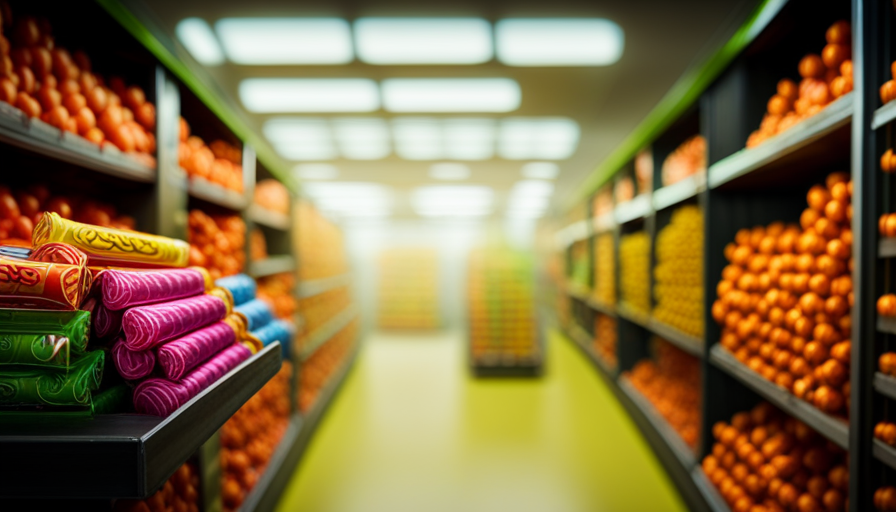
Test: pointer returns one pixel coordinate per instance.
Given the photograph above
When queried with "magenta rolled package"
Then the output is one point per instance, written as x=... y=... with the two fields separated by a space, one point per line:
x=132 y=364
x=161 y=397
x=106 y=323
x=124 y=289
x=179 y=356
x=147 y=326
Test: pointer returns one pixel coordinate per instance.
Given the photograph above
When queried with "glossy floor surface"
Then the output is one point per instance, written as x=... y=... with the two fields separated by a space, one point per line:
x=412 y=431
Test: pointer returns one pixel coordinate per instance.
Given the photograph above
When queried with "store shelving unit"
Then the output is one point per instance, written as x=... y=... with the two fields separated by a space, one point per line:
x=316 y=339
x=742 y=188
x=272 y=265
x=128 y=455
x=318 y=286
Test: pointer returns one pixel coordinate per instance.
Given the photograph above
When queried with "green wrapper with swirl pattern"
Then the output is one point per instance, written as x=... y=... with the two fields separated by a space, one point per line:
x=48 y=386
x=42 y=338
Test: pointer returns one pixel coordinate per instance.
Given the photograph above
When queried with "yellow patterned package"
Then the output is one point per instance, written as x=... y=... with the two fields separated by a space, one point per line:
x=112 y=247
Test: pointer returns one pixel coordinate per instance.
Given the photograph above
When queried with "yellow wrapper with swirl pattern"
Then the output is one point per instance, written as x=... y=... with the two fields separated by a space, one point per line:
x=112 y=247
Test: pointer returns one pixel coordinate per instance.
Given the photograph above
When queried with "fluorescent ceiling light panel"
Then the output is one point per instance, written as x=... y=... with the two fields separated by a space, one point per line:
x=450 y=94
x=469 y=139
x=423 y=40
x=449 y=171
x=417 y=138
x=270 y=95
x=541 y=170
x=267 y=41
x=558 y=42
x=315 y=172
x=362 y=138
x=523 y=138
x=452 y=200
x=353 y=199
x=200 y=41
x=533 y=188
x=300 y=138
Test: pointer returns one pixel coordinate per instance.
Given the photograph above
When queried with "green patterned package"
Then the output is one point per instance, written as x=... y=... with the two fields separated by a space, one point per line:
x=50 y=386
x=42 y=338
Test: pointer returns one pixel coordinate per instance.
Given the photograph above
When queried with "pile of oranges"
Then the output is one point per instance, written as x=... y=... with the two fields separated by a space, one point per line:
x=179 y=494
x=625 y=189
x=672 y=385
x=688 y=159
x=45 y=81
x=824 y=79
x=319 y=244
x=258 y=245
x=318 y=309
x=886 y=432
x=251 y=435
x=277 y=291
x=317 y=369
x=219 y=162
x=888 y=90
x=784 y=300
x=634 y=271
x=272 y=195
x=20 y=211
x=885 y=499
x=605 y=338
x=771 y=461
x=887 y=223
x=604 y=269
x=217 y=243
x=603 y=202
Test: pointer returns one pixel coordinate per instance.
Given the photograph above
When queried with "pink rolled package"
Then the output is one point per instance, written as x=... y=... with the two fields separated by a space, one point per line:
x=132 y=364
x=179 y=356
x=161 y=397
x=125 y=288
x=106 y=323
x=148 y=326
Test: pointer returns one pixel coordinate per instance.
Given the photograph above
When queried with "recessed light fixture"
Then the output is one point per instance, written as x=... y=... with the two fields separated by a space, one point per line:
x=300 y=138
x=558 y=42
x=452 y=200
x=269 y=95
x=449 y=171
x=541 y=170
x=450 y=94
x=267 y=41
x=198 y=38
x=522 y=138
x=423 y=40
x=316 y=171
x=362 y=138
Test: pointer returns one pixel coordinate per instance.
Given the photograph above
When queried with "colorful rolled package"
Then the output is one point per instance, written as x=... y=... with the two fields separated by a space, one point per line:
x=147 y=326
x=42 y=338
x=257 y=313
x=106 y=323
x=123 y=289
x=44 y=386
x=52 y=284
x=109 y=246
x=161 y=397
x=241 y=286
x=178 y=357
x=278 y=330
x=132 y=364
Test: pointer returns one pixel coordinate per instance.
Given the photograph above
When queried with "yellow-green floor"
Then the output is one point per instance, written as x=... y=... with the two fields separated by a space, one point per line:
x=412 y=431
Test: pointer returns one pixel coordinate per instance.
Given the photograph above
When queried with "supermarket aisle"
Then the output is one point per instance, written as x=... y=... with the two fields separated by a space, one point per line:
x=412 y=431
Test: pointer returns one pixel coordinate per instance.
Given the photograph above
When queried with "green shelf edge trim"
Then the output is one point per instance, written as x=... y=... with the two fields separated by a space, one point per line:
x=211 y=100
x=680 y=97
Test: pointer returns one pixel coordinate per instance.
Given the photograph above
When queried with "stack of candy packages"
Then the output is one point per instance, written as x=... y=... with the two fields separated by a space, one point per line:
x=258 y=315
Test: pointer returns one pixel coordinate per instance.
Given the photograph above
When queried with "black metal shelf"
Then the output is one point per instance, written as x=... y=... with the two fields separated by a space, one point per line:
x=269 y=218
x=710 y=493
x=884 y=115
x=690 y=344
x=125 y=455
x=216 y=194
x=601 y=307
x=316 y=287
x=316 y=339
x=885 y=384
x=688 y=188
x=638 y=208
x=884 y=453
x=886 y=324
x=886 y=248
x=808 y=138
x=272 y=265
x=269 y=489
x=38 y=137
x=681 y=450
x=835 y=429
